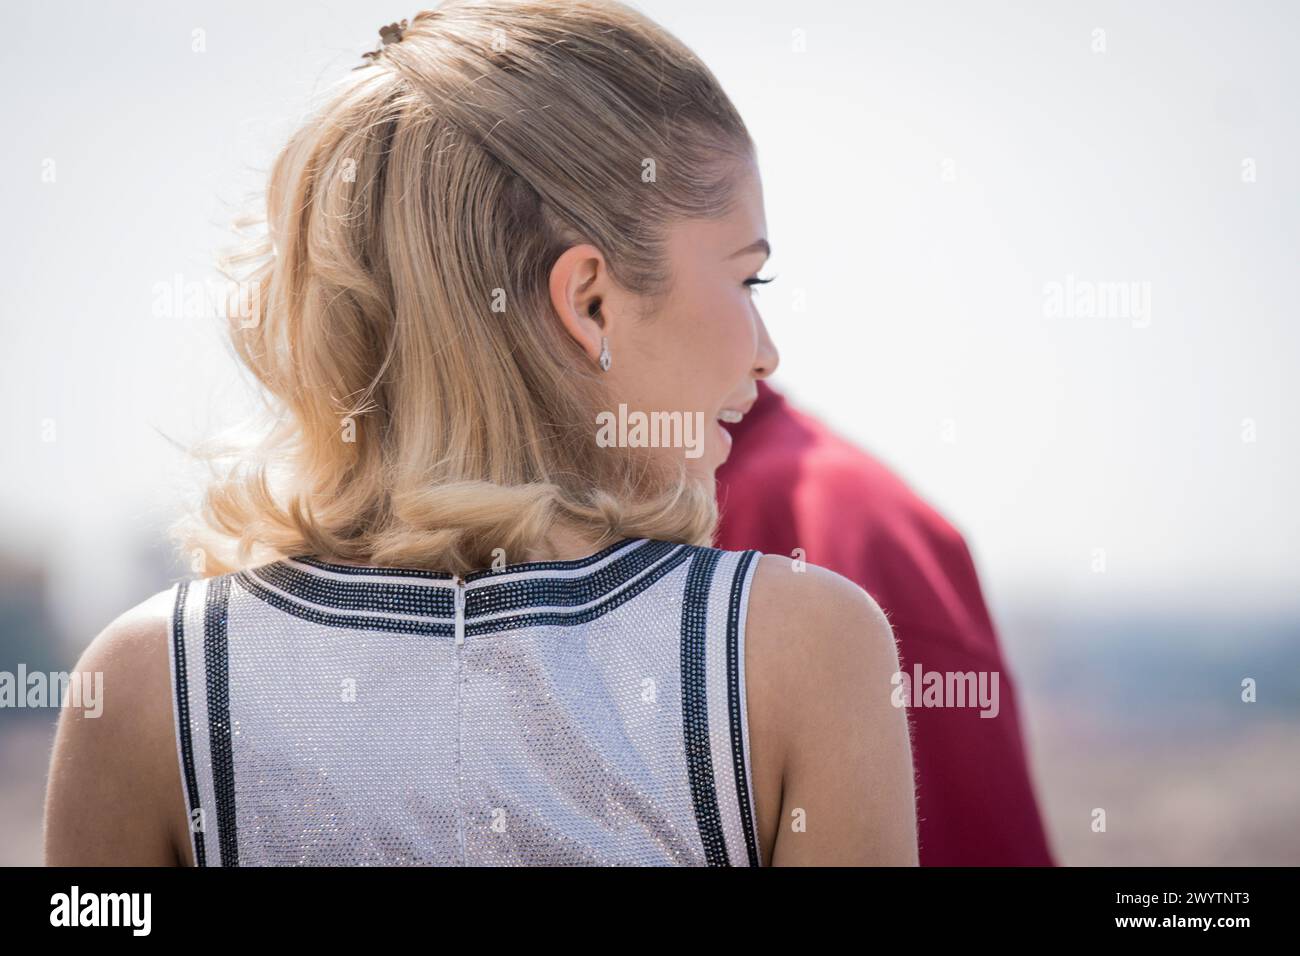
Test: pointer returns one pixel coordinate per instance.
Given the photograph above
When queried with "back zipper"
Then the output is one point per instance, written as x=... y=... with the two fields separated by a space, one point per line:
x=460 y=609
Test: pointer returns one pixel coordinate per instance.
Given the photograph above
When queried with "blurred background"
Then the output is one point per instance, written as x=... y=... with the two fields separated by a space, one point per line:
x=1041 y=258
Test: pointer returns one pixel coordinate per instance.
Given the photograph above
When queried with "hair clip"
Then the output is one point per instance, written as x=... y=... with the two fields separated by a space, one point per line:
x=392 y=33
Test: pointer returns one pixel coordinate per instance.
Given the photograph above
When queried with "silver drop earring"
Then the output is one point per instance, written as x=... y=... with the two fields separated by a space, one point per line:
x=604 y=354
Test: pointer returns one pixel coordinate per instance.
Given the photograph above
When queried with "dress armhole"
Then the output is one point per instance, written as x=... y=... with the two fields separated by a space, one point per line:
x=181 y=656
x=714 y=713
x=742 y=580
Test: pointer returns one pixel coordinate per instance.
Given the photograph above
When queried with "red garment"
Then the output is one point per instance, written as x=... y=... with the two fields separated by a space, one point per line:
x=792 y=483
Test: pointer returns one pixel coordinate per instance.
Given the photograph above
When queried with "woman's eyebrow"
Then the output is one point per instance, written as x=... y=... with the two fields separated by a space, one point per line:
x=759 y=245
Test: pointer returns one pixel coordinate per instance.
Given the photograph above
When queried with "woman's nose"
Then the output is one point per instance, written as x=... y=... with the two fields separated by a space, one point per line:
x=767 y=358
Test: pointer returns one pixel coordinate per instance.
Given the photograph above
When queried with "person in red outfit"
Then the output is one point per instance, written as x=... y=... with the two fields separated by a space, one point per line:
x=791 y=483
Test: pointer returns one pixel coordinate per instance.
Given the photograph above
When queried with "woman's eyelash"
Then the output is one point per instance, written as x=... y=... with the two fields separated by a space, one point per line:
x=755 y=280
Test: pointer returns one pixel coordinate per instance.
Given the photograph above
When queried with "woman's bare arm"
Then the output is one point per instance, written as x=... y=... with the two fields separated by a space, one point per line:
x=114 y=796
x=832 y=755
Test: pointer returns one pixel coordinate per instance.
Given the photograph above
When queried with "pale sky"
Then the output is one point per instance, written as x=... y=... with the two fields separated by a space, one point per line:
x=930 y=170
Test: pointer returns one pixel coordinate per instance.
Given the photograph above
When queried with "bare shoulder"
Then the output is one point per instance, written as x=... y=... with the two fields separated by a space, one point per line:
x=811 y=630
x=114 y=786
x=809 y=623
x=820 y=658
x=132 y=640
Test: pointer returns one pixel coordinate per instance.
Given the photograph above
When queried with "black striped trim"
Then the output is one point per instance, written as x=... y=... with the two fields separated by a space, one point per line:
x=338 y=603
x=253 y=585
x=183 y=722
x=216 y=658
x=569 y=618
x=543 y=590
x=372 y=571
x=695 y=710
x=734 y=704
x=359 y=593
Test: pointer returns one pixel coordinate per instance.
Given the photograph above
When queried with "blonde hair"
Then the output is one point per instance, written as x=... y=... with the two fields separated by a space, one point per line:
x=410 y=419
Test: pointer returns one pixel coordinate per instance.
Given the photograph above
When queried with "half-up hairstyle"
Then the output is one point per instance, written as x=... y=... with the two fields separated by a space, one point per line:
x=424 y=405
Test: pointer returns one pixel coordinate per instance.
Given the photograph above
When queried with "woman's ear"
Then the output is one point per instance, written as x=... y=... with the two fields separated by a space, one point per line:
x=578 y=287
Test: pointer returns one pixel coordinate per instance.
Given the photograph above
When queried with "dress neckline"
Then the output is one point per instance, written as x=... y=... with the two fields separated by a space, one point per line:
x=376 y=570
x=414 y=600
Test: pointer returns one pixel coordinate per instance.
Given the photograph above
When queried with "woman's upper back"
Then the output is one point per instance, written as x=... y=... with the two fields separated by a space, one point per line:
x=638 y=706
x=567 y=712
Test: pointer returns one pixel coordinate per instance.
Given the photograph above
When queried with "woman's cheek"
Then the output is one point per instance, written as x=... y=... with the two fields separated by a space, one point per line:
x=736 y=341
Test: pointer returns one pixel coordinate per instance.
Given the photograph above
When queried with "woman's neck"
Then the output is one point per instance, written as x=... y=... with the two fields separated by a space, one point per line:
x=566 y=544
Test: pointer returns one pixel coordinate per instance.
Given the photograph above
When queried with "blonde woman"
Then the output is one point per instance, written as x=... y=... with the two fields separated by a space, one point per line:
x=458 y=603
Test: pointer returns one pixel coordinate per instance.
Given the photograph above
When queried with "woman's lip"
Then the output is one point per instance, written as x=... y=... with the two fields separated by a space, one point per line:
x=740 y=408
x=726 y=439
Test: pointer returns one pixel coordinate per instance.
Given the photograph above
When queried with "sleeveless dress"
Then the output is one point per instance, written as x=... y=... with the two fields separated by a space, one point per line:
x=584 y=712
